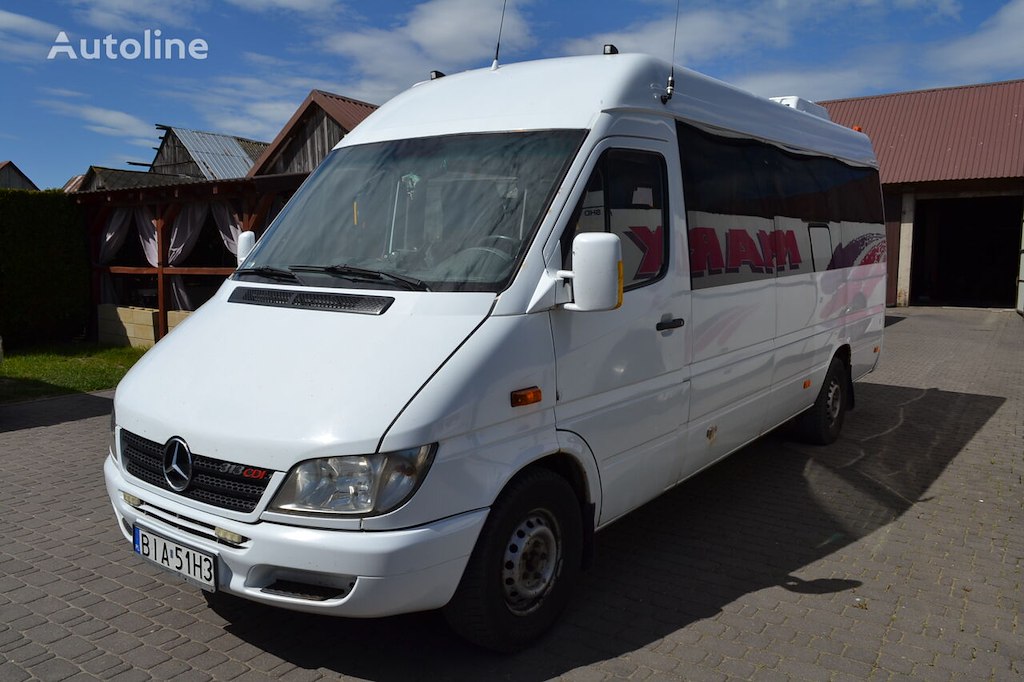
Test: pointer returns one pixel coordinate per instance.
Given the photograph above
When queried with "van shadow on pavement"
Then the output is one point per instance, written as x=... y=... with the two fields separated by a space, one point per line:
x=751 y=522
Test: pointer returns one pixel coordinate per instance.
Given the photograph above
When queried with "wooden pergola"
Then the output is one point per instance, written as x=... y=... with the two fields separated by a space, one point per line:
x=255 y=196
x=316 y=126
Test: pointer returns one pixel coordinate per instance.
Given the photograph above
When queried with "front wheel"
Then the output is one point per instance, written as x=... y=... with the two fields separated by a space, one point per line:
x=525 y=563
x=822 y=423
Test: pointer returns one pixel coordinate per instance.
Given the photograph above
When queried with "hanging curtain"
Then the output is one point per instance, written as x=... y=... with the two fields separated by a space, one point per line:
x=146 y=224
x=184 y=234
x=110 y=243
x=228 y=224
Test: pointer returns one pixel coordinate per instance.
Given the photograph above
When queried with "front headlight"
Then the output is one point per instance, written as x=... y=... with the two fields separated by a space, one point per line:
x=356 y=484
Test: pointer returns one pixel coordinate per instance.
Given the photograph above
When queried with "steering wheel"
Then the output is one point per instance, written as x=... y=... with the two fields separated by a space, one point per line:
x=490 y=250
x=509 y=244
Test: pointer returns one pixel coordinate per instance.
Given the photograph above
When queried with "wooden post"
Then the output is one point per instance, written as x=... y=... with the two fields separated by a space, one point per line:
x=253 y=220
x=162 y=247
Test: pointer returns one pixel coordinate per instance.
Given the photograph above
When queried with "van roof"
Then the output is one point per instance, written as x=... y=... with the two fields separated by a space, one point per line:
x=572 y=92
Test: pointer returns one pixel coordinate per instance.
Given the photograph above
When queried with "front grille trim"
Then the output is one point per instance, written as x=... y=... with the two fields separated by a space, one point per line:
x=212 y=482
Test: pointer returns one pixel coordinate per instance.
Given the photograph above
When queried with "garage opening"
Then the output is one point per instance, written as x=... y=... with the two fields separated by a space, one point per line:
x=966 y=252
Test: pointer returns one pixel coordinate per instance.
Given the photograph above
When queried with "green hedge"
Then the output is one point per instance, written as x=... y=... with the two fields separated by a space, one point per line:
x=44 y=268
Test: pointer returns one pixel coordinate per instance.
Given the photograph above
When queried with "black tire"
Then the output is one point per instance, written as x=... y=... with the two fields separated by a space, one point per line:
x=821 y=424
x=524 y=566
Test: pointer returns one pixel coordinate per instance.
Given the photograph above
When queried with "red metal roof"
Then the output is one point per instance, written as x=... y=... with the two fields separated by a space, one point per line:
x=345 y=111
x=959 y=133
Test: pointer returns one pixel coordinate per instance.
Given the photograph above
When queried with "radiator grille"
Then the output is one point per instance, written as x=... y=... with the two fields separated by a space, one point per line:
x=214 y=481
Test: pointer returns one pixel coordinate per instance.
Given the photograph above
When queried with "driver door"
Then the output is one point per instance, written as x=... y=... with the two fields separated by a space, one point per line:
x=623 y=383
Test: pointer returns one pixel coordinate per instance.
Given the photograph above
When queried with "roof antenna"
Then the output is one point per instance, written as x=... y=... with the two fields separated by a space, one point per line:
x=670 y=87
x=497 y=48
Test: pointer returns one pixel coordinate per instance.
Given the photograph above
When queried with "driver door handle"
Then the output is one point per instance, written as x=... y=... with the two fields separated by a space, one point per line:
x=674 y=323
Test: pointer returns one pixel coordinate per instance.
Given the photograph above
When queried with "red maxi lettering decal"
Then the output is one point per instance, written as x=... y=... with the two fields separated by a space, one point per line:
x=652 y=245
x=705 y=252
x=773 y=250
x=780 y=247
x=742 y=250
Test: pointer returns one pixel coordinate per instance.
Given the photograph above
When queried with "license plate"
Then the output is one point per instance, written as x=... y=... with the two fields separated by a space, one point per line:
x=198 y=568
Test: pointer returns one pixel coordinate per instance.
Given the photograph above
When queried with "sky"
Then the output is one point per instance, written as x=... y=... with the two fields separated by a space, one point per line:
x=244 y=66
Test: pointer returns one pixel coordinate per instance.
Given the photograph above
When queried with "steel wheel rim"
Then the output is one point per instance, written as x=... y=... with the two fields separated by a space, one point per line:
x=531 y=561
x=833 y=402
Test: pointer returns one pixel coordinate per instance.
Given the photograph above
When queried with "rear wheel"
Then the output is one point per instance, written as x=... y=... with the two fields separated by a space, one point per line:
x=822 y=423
x=523 y=568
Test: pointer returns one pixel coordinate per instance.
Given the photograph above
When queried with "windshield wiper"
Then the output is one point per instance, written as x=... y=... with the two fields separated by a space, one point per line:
x=365 y=275
x=270 y=272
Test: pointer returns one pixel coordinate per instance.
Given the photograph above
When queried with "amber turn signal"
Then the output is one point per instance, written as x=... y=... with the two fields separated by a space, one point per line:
x=526 y=396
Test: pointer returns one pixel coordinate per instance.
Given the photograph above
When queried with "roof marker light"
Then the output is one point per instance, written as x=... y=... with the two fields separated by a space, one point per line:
x=434 y=75
x=610 y=49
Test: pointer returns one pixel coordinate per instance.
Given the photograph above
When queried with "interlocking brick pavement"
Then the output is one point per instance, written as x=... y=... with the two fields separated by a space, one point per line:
x=895 y=554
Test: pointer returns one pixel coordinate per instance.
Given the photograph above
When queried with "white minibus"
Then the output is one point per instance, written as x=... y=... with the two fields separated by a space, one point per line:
x=509 y=307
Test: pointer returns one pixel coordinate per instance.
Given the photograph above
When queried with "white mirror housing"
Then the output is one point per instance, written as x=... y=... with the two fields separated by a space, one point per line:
x=246 y=240
x=596 y=272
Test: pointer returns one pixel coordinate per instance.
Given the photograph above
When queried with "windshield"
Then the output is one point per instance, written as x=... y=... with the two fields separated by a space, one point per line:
x=451 y=213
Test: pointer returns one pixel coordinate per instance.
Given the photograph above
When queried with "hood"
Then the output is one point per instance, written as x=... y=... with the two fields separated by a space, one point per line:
x=268 y=386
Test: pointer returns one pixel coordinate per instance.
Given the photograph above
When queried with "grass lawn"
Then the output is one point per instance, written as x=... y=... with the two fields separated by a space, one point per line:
x=60 y=369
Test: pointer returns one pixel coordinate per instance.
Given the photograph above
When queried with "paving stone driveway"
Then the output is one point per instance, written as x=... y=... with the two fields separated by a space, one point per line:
x=895 y=554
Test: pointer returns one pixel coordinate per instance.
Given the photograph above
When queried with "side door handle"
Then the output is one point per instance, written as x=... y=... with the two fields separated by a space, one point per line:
x=674 y=323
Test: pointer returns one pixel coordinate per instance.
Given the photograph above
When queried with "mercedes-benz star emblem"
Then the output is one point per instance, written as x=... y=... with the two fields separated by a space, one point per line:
x=177 y=464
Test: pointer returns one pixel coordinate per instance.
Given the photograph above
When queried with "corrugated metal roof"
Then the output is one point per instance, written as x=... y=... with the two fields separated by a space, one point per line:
x=959 y=133
x=219 y=157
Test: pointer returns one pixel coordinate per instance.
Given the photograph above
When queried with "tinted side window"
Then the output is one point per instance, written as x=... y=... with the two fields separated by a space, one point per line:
x=736 y=189
x=626 y=195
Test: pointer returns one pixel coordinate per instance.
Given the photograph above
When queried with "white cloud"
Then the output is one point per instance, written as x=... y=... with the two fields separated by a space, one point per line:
x=61 y=92
x=135 y=15
x=302 y=6
x=260 y=59
x=449 y=35
x=942 y=8
x=26 y=26
x=465 y=30
x=256 y=105
x=106 y=121
x=936 y=8
x=702 y=34
x=996 y=48
x=836 y=81
x=24 y=39
x=757 y=45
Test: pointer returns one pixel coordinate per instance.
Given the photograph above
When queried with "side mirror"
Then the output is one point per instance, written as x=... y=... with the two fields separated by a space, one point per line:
x=246 y=240
x=596 y=272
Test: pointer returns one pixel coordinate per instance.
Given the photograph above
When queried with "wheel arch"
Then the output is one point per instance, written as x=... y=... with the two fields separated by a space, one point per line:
x=568 y=466
x=845 y=354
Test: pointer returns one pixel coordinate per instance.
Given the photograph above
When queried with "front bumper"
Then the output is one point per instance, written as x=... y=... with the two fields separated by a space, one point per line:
x=333 y=572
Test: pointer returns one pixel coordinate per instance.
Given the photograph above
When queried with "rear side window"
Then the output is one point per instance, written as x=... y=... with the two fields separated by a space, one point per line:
x=626 y=196
x=756 y=211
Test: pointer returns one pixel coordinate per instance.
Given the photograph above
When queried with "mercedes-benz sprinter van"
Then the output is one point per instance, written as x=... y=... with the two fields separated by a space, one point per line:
x=509 y=307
